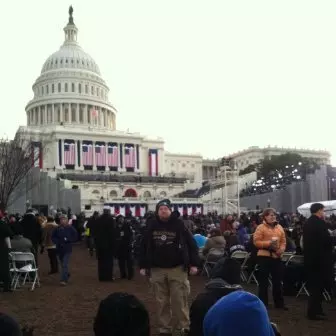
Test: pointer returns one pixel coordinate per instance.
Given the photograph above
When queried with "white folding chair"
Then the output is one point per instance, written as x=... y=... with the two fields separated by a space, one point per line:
x=241 y=257
x=211 y=259
x=24 y=265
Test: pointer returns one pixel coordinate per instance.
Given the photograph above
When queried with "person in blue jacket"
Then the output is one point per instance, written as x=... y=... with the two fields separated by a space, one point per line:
x=200 y=239
x=63 y=237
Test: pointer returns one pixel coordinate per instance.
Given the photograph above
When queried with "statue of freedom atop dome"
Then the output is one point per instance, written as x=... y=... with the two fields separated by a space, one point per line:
x=71 y=21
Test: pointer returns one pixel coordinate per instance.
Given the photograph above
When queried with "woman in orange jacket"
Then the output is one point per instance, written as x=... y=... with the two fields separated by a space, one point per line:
x=270 y=240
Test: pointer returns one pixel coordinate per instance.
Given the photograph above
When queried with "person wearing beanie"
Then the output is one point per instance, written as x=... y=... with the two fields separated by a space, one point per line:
x=168 y=253
x=63 y=237
x=121 y=314
x=225 y=279
x=238 y=314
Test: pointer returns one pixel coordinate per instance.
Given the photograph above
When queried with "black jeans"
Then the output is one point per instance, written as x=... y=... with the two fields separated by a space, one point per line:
x=105 y=264
x=53 y=260
x=315 y=285
x=4 y=270
x=126 y=267
x=269 y=266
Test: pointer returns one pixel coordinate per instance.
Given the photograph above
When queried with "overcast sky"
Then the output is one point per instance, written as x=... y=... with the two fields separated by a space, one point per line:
x=210 y=77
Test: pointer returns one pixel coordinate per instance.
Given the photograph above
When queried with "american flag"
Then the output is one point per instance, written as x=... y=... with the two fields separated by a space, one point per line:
x=69 y=153
x=94 y=112
x=87 y=155
x=100 y=156
x=129 y=157
x=112 y=156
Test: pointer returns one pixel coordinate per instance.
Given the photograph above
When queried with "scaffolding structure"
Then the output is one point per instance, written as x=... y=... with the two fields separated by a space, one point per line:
x=227 y=182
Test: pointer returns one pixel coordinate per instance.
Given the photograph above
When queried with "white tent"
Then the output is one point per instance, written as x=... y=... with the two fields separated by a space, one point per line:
x=329 y=208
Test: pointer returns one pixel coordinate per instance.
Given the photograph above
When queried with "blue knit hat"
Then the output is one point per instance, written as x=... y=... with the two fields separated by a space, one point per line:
x=225 y=317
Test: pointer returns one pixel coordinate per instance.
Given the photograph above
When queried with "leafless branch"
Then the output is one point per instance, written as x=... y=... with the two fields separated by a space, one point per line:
x=17 y=160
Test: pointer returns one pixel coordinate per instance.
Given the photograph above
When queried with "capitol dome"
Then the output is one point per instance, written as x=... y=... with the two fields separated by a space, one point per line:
x=70 y=56
x=70 y=89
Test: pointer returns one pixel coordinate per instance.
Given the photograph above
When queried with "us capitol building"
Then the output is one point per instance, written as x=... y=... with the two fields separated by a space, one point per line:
x=73 y=125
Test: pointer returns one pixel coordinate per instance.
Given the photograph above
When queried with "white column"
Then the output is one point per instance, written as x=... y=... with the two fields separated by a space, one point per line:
x=40 y=115
x=77 y=113
x=123 y=157
x=53 y=113
x=85 y=109
x=76 y=155
x=94 y=155
x=69 y=113
x=61 y=113
x=106 y=153
x=80 y=153
x=62 y=151
x=56 y=163
x=119 y=160
x=45 y=114
x=105 y=118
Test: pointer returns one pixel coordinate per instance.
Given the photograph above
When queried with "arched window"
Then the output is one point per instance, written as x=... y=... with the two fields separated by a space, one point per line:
x=96 y=193
x=113 y=193
x=163 y=194
x=147 y=194
x=130 y=193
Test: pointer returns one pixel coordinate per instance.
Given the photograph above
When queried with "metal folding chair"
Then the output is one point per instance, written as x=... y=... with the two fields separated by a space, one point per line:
x=286 y=257
x=211 y=259
x=241 y=257
x=24 y=265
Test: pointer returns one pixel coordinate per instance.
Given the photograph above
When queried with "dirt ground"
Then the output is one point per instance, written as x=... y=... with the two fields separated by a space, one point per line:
x=69 y=311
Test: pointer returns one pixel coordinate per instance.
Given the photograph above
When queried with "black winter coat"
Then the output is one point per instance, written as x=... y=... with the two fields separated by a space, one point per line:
x=317 y=248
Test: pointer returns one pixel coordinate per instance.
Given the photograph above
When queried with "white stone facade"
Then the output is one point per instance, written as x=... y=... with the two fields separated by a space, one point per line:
x=253 y=154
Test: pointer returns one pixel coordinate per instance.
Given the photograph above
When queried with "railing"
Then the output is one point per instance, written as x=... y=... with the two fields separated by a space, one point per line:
x=139 y=199
x=120 y=178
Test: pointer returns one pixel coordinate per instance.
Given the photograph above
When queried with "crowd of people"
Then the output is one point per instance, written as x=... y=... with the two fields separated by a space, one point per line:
x=167 y=248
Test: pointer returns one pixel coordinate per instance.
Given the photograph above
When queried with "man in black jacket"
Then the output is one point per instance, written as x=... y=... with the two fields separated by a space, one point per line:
x=168 y=253
x=103 y=233
x=317 y=251
x=32 y=230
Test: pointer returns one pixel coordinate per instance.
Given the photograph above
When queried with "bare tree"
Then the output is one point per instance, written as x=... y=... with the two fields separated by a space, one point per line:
x=17 y=159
